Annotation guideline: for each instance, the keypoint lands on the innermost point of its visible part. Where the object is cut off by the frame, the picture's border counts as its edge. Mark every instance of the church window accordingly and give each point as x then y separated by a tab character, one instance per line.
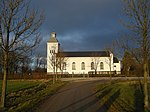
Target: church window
64	65
53	51
82	66
92	65
101	65
73	66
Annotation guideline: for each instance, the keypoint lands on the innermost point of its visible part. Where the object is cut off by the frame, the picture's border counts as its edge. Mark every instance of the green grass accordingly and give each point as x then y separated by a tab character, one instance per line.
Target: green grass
24	96
120	97
19	85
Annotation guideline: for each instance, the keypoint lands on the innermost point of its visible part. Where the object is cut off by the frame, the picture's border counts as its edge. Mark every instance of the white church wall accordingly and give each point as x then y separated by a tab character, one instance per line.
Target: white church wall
87	61
78	61
117	67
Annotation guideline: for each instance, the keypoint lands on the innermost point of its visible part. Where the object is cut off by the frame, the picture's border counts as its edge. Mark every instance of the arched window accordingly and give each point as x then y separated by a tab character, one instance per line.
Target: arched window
82	66
73	66
64	66
92	65
101	65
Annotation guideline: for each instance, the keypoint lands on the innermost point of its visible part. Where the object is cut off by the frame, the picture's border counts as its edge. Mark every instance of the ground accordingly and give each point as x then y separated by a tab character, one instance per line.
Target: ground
78	95
96	95
74	97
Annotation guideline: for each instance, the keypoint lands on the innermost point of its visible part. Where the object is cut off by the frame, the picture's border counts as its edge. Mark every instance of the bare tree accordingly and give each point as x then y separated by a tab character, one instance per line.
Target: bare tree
127	44
95	62
109	62
24	64
19	25
39	61
62	61
127	62
139	11
52	63
57	62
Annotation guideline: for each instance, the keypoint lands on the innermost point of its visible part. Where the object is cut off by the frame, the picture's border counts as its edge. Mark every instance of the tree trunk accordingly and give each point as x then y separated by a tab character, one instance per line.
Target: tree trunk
95	72
53	75
110	72
56	74
145	65
127	73
146	103
4	82
110	77
53	78
61	73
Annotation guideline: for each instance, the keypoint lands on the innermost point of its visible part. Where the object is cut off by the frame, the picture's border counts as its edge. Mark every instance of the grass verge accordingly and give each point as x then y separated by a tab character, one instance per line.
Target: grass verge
124	96
26	98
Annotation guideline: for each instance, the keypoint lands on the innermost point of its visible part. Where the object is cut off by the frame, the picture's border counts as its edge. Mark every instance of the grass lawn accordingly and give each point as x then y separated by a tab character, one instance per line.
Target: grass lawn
124	96
25	95
19	85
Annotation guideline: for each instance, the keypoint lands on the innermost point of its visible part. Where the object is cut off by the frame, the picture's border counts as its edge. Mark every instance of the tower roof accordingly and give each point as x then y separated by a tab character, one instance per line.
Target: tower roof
53	38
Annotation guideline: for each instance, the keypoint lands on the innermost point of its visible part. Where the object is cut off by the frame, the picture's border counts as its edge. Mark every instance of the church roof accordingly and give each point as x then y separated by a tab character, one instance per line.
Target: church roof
52	39
87	54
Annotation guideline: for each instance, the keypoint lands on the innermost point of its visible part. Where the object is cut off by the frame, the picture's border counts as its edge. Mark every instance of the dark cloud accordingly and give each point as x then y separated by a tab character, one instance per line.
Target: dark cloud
80	24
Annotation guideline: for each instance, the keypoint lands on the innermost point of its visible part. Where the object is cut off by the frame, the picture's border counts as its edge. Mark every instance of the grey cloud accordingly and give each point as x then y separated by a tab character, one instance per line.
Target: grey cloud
81	24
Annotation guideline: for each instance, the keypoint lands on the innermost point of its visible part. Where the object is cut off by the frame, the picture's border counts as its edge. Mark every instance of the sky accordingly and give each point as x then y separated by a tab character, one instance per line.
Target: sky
81	25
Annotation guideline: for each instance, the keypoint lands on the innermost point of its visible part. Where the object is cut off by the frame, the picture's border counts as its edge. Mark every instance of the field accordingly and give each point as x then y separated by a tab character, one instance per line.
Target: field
17	85
121	96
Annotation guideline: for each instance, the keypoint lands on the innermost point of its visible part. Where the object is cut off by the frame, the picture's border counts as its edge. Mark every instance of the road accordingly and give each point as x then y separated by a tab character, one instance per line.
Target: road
76	96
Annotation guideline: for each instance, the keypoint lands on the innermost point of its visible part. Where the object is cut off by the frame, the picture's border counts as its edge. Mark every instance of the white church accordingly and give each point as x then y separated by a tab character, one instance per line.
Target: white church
80	62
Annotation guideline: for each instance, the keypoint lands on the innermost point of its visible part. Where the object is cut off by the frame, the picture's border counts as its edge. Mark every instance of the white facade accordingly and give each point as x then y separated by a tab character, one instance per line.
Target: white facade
80	63
87	61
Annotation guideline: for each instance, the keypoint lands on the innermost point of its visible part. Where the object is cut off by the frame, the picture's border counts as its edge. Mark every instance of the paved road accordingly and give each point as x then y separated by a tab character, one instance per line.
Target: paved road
77	96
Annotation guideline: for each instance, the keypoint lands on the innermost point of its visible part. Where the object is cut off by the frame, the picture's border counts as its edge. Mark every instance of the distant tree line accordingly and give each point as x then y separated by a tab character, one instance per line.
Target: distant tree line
24	64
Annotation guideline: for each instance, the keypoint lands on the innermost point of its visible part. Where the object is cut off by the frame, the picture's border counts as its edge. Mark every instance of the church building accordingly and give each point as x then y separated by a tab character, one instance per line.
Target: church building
79	62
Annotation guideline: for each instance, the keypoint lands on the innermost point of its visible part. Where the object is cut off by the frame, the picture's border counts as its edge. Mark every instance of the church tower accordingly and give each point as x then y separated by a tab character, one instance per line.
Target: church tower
52	50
